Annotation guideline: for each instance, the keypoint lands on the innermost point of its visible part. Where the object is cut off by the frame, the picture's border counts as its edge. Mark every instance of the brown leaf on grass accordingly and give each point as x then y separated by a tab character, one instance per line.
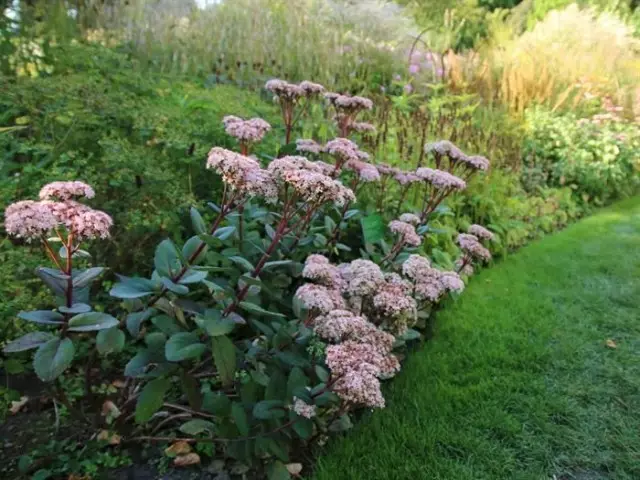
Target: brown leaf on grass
118	383
186	460
611	344
109	409
16	406
294	468
178	448
110	437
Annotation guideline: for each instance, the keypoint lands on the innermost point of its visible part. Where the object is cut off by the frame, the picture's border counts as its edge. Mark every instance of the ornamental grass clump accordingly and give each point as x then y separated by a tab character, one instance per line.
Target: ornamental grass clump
259	334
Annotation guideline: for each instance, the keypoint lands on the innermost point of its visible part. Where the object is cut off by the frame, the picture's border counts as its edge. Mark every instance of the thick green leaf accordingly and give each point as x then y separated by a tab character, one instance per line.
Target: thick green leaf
197	222
84	277
193	276
223	233
155	340
132	287
373	228
166	260
276	263
183	346
47	317
196	426
75	308
191	247
297	380
28	342
54	279
151	399
277	388
242	262
240	418
91	321
293	359
303	427
341	424
53	358
138	364
166	324
214	324
278	471
253	308
322	373
216	403
191	388
224	357
135	319
110	340
268	409
174	287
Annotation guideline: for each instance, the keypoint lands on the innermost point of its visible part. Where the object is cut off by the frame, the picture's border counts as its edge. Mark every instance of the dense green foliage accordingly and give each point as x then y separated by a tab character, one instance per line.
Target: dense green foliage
519	382
140	139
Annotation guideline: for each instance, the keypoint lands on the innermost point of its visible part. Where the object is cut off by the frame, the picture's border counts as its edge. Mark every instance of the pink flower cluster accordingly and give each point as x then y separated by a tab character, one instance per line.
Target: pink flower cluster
410	218
242	174
303	409
391	300
318	269
480	232
348	104
407	178
310	88
363	127
385	169
344	150
471	246
291	92
246	131
440	179
320	299
407	233
309	146
445	148
366	171
430	283
31	220
362	277
66	191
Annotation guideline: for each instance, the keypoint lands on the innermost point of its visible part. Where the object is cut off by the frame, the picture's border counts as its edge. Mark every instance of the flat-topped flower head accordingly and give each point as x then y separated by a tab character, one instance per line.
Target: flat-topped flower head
350	104
309	146
89	224
416	267
366	172
363	277
318	269
66	191
241	173
478	162
319	298
362	357
407	178
284	90
246	131
441	147
363	127
480	232
318	188
279	166
457	155
311	89
406	231
429	289
343	149
359	388
385	169
471	246
451	282
29	220
441	179
410	218
303	409
391	300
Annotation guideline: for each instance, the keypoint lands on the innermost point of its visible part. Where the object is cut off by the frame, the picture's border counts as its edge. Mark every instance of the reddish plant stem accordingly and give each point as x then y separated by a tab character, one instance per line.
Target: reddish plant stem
52	255
466	260
69	269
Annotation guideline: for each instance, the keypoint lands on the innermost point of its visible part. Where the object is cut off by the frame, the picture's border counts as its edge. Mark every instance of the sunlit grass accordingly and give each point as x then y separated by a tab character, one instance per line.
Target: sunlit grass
518	382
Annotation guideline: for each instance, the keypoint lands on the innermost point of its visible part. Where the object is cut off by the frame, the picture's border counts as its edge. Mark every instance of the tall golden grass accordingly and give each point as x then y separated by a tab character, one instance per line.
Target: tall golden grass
570	55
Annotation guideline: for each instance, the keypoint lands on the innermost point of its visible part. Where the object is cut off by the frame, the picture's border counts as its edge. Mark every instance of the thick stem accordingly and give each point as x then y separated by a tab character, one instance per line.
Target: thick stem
69	269
52	255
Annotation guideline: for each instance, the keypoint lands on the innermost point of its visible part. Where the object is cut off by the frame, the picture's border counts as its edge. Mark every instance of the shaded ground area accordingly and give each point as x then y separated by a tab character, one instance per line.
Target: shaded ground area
534	373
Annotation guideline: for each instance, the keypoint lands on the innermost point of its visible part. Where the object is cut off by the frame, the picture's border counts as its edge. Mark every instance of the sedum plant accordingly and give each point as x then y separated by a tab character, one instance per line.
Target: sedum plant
261	332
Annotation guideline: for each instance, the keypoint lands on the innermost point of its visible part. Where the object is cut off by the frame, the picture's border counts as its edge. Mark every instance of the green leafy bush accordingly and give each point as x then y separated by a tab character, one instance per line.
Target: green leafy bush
597	158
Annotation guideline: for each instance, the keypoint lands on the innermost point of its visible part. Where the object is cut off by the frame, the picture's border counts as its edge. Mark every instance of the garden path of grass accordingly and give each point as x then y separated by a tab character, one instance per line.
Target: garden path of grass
518	381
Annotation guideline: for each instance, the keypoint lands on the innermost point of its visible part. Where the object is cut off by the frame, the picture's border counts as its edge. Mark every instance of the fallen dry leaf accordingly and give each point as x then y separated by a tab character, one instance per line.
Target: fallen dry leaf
186	460
611	344
118	383
77	477
178	448
112	438
16	406
294	468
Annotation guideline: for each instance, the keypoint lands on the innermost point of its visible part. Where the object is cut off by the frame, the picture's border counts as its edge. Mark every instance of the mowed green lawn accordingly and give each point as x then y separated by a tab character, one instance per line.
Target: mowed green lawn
518	382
